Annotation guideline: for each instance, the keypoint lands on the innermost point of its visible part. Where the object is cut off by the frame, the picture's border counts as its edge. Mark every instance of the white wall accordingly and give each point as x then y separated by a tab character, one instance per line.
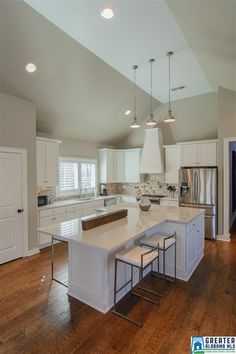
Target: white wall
18	129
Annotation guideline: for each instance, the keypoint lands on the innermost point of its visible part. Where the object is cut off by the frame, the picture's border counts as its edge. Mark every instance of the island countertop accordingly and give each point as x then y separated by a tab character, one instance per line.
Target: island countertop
117	233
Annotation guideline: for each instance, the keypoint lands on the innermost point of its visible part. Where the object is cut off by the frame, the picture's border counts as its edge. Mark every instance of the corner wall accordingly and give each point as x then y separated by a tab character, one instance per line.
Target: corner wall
18	129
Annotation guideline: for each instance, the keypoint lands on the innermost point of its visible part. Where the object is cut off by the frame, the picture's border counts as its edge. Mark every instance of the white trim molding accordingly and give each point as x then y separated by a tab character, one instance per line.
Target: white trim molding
23	153
224	237
33	251
226	226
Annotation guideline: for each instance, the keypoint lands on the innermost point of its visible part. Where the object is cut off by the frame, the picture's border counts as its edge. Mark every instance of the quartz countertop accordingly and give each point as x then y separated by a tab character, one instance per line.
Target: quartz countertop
117	233
68	202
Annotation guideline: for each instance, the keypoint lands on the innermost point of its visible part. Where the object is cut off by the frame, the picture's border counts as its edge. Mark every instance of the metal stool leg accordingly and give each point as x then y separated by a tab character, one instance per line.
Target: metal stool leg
175	262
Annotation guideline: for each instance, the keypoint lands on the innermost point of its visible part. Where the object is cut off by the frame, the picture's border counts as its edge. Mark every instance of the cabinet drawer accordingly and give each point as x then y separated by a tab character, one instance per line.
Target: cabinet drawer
74	208
53	211
193	224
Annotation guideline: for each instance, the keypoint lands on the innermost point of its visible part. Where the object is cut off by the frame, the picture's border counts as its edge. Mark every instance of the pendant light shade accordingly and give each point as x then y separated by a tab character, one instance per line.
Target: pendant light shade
169	118
135	124
151	121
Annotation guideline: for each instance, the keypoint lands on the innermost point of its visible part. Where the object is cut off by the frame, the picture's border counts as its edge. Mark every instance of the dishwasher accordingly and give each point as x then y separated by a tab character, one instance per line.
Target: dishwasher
110	201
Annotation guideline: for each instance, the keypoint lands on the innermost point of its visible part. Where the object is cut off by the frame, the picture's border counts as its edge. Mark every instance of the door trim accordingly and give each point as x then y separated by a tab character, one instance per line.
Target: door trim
226	226
23	153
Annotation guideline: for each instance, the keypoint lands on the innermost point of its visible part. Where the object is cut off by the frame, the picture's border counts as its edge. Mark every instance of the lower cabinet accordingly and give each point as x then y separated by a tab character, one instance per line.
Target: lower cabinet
49	217
189	244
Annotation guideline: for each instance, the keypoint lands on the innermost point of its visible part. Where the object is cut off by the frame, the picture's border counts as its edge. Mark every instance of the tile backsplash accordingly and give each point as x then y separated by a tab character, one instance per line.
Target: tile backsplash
152	184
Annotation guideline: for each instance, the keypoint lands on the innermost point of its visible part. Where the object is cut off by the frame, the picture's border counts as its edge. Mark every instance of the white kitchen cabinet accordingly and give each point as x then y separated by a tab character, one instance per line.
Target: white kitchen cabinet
172	163
106	165
198	153
47	162
74	212
132	164
118	166
49	217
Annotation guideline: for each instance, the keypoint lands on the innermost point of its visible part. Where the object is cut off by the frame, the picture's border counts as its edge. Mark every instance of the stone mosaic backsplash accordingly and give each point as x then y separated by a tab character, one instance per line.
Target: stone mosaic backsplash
152	184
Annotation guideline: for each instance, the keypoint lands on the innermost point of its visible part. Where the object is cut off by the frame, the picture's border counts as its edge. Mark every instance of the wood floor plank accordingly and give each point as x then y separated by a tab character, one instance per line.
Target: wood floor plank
38	317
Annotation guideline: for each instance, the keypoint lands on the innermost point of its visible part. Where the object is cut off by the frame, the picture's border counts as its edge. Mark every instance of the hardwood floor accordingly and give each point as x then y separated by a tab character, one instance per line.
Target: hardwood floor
36	316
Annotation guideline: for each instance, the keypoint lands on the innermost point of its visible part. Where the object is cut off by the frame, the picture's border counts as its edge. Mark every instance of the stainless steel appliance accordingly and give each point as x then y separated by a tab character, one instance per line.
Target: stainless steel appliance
42	200
198	189
110	201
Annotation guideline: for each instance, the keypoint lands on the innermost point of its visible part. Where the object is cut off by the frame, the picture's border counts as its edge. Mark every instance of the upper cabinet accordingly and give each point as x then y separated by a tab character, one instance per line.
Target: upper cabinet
119	166
132	165
106	165
198	153
47	162
172	163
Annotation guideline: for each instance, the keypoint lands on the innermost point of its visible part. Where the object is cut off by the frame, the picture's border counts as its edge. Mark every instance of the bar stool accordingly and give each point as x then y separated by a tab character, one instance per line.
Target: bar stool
165	241
140	258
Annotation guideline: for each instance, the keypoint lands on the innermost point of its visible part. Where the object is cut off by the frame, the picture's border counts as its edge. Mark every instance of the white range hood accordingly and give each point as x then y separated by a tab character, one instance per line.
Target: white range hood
152	155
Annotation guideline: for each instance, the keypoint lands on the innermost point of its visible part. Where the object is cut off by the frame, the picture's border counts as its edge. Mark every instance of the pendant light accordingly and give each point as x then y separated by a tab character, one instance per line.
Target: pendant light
169	118
151	121
135	124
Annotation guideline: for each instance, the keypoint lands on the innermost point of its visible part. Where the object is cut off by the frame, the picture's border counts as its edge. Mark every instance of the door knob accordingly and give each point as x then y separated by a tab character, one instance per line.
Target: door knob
20	211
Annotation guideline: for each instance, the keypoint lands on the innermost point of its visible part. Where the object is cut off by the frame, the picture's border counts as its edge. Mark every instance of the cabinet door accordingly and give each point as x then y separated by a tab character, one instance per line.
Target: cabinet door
207	154
191	248
40	163
106	166
200	238
51	164
132	163
172	164
189	155
119	166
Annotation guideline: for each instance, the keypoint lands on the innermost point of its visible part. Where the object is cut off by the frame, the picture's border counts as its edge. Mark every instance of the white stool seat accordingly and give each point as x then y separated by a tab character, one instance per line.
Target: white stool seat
159	239
133	255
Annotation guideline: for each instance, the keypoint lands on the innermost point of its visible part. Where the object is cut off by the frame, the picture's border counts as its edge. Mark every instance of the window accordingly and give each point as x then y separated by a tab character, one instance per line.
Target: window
77	176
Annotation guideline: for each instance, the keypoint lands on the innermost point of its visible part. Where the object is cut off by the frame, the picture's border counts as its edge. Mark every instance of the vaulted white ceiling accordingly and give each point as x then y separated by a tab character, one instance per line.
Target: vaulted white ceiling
139	30
82	86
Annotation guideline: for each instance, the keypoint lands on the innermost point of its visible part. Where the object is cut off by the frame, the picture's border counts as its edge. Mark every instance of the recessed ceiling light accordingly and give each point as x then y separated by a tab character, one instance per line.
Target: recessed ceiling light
31	67
127	112
107	13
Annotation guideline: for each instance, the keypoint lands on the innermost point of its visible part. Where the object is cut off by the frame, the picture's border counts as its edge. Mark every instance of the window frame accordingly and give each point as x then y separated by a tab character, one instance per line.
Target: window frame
77	160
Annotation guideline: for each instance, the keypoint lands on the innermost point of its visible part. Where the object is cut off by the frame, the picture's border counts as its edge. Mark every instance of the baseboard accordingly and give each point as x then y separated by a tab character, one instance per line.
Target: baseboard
33	251
224	237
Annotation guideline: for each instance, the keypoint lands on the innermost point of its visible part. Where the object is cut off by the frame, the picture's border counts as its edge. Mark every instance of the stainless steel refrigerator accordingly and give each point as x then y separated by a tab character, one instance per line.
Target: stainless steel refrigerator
198	189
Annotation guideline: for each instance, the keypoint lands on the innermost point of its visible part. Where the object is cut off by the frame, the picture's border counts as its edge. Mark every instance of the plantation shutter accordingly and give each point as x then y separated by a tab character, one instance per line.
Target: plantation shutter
68	176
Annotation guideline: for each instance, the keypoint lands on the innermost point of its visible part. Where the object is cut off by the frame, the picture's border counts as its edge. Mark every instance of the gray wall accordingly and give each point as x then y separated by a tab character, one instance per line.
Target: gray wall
226	128
18	129
196	119
76	148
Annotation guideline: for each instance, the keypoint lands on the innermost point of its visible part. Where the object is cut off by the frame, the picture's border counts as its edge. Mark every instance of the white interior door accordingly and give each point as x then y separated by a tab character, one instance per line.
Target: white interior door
11	206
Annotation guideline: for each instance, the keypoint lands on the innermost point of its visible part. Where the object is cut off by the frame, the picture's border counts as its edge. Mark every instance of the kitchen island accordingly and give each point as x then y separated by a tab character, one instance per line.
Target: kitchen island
92	252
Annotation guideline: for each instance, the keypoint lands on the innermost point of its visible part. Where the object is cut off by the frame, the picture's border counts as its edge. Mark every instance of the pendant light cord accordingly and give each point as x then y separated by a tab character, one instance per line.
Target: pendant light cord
135	96
151	61
169	55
